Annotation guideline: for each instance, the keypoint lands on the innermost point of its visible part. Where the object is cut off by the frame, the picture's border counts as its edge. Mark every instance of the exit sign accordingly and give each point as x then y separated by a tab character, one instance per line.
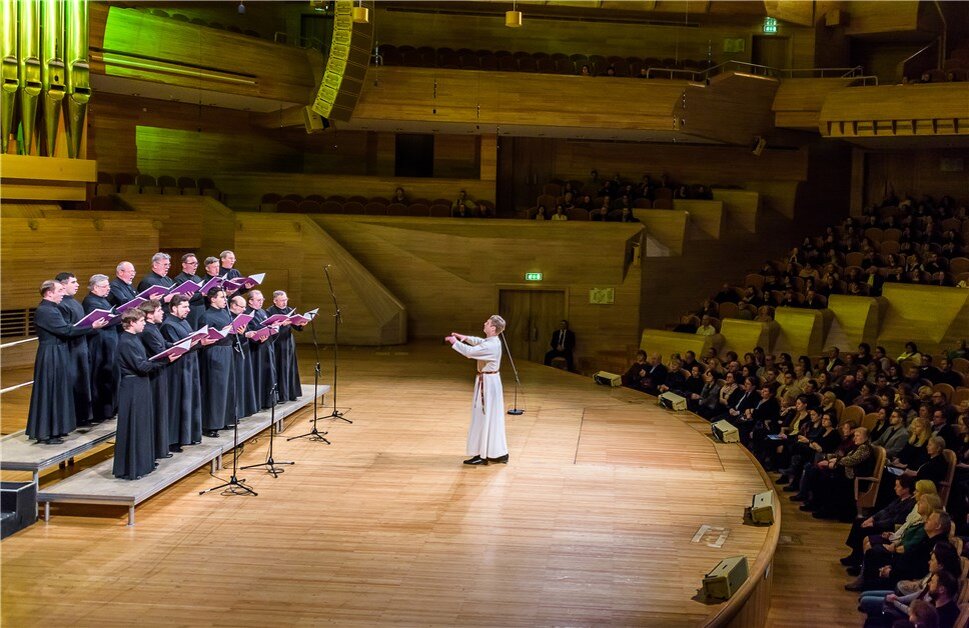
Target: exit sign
770	25
533	276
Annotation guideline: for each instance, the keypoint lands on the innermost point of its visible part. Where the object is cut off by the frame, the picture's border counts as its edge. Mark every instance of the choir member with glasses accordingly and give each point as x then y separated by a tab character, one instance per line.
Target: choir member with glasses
284	348
160	263
196	303
262	353
103	354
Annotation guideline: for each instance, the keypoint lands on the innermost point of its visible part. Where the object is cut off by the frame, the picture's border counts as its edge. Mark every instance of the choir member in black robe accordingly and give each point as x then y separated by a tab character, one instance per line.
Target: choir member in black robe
218	372
151	337
103	353
185	390
78	349
122	289
284	350
196	302
158	276
134	455
227	262
245	390
51	414
261	351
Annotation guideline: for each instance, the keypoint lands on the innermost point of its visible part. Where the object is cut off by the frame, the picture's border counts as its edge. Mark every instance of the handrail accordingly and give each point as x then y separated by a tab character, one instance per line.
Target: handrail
700	76
17	342
9	388
920	51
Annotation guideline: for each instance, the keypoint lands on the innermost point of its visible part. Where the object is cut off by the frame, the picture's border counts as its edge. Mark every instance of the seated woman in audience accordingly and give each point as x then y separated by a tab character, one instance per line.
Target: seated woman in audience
883	606
820	438
704	402
584	202
400	197
558	215
714	366
636	373
914	454
706	327
935	468
813	479
881	424
911	352
728	392
600	214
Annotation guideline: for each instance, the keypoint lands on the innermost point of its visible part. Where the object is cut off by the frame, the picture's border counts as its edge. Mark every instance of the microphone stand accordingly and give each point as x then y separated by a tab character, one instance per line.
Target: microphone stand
515	410
234	486
337	320
270	464
314	434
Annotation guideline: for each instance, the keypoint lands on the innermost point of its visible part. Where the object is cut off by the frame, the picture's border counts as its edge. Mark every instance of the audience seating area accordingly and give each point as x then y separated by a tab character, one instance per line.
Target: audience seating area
129	183
608	197
908	241
373	206
179	17
540	62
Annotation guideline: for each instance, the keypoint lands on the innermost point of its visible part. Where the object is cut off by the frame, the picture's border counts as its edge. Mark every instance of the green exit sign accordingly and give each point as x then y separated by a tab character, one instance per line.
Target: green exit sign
533	276
770	25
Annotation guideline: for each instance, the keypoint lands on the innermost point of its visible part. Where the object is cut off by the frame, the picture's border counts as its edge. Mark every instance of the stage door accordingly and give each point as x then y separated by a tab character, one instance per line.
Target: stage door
532	316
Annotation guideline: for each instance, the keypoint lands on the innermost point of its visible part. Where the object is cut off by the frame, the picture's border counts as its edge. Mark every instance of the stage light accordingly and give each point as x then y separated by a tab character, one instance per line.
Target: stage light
361	14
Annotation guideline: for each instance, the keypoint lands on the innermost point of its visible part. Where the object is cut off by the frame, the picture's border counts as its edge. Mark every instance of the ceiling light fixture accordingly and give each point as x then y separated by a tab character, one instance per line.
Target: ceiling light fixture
513	18
361	14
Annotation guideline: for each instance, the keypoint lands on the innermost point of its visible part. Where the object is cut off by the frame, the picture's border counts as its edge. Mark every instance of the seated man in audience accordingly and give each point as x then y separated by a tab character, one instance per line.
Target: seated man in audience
562	345
885	520
739	403
706	327
655	376
634	375
885	566
947	375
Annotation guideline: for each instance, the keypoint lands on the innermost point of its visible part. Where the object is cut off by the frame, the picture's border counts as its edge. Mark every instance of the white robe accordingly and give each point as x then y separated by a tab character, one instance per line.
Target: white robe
486	437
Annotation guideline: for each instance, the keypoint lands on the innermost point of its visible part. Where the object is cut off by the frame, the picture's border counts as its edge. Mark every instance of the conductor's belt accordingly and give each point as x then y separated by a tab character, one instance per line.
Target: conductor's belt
488	372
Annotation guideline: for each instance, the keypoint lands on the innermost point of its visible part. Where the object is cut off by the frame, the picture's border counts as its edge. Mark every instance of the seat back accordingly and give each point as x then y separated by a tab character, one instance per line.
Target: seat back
852	413
950	464
865	500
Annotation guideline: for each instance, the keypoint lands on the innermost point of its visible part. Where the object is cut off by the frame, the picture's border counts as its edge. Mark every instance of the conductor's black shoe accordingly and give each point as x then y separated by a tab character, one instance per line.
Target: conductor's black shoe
175	449
54	441
212	433
499	459
476	460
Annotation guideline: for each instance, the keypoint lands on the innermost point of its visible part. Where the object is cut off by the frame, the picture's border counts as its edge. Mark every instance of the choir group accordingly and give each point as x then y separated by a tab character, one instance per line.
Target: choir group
173	359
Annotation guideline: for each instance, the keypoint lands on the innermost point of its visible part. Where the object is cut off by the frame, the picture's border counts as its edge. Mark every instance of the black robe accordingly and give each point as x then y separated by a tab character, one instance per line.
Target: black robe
80	361
184	387
154	344
229	273
287	370
246	404
154	279
196	302
134	451
218	375
121	293
103	354
51	411
263	363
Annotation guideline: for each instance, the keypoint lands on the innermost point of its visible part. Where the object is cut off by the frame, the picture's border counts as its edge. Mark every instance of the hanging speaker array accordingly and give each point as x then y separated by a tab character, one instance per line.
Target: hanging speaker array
45	74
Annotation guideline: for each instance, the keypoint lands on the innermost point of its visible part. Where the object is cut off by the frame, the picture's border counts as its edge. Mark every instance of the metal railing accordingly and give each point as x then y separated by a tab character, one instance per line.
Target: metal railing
7	345
700	76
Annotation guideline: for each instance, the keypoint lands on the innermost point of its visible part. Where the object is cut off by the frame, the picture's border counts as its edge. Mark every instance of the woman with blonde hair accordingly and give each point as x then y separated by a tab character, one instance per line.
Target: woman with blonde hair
914	454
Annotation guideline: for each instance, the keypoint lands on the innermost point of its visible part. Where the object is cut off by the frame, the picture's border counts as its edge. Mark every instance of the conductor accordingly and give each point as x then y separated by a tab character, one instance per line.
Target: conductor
486	436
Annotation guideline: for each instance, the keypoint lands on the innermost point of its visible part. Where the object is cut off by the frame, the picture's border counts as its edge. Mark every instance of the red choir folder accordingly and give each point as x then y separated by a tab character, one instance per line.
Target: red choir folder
152	292
177	350
302	319
242	320
135	302
263	333
275	319
198	336
95	316
212	283
245	283
187	288
217	334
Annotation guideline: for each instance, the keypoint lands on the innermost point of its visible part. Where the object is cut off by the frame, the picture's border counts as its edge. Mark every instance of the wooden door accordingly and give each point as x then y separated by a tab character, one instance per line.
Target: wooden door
771	51
531	317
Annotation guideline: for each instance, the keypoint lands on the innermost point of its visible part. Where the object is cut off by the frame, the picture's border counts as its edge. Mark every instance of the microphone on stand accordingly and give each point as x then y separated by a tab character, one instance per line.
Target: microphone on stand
515	410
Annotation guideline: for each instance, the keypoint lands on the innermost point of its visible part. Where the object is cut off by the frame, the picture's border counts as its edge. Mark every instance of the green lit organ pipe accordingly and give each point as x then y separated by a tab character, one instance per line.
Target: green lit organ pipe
52	69
29	68
78	72
9	69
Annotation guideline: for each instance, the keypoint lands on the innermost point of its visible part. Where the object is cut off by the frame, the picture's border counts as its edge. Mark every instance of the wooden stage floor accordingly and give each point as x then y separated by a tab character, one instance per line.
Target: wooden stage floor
590	523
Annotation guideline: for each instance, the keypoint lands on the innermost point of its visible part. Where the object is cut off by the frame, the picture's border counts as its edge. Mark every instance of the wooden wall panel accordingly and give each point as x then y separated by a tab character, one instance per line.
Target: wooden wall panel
742	336
929	314
856	320
869	18
457	156
802	331
666	343
915	172
243	190
33	249
543	35
447	273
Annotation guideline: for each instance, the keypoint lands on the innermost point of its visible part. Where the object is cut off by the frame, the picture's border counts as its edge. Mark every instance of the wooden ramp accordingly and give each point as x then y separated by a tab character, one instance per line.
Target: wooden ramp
97	484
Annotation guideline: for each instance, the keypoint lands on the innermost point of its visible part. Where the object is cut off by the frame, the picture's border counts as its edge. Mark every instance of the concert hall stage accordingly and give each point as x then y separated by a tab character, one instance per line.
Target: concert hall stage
591	522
